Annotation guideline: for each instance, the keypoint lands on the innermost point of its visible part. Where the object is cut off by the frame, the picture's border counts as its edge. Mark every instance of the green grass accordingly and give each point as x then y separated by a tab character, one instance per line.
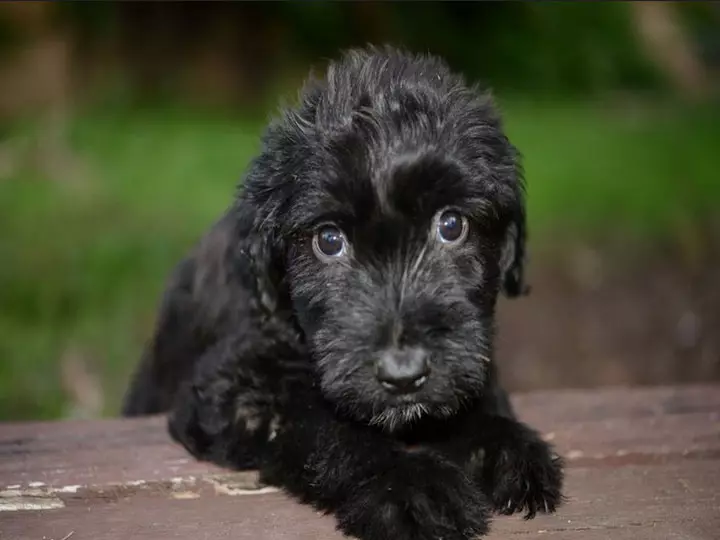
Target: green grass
613	171
83	257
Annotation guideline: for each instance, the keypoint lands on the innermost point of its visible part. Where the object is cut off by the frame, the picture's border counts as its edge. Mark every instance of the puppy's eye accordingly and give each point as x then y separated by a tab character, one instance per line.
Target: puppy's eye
329	242
452	227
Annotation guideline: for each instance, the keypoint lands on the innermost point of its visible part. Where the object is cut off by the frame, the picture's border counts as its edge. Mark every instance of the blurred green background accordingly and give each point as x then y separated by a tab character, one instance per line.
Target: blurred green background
125	127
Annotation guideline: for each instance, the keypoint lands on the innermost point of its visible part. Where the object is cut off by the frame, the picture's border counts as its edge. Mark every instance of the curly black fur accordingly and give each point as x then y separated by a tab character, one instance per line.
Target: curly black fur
267	353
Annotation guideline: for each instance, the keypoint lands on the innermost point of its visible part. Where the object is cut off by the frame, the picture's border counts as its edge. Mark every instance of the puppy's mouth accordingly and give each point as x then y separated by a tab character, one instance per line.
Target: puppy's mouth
399	415
405	412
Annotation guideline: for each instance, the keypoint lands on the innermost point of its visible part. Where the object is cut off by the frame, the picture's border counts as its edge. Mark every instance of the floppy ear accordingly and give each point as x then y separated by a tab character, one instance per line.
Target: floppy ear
239	268
513	257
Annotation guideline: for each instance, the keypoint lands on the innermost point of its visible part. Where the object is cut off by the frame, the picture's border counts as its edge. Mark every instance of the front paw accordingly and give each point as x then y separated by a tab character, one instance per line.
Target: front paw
422	499
524	475
230	431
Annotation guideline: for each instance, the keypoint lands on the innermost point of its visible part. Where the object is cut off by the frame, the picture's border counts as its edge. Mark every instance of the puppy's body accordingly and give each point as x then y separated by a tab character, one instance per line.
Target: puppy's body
335	327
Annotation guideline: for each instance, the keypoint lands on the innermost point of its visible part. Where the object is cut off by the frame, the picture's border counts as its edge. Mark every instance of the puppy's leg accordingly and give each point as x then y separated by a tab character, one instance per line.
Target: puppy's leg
225	413
516	468
373	486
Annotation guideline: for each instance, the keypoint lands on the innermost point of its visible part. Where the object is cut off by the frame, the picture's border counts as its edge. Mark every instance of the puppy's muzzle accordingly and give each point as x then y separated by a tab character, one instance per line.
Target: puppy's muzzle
402	371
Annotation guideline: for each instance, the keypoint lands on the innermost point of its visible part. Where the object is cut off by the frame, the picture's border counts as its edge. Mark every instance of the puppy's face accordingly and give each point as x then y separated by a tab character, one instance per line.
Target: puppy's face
394	277
396	204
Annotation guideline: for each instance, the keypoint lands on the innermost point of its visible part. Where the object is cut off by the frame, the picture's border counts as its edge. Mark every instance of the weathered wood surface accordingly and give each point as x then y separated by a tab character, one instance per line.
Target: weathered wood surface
643	463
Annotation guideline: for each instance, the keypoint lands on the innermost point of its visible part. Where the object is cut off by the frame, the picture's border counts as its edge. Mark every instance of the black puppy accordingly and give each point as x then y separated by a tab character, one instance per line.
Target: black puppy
335	328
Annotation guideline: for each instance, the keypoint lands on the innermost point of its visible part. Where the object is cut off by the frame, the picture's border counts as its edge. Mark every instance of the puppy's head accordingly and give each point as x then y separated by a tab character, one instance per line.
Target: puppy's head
398	204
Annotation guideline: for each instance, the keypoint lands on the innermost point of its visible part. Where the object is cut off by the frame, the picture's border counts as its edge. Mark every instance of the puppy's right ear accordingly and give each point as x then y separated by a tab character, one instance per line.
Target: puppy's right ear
238	265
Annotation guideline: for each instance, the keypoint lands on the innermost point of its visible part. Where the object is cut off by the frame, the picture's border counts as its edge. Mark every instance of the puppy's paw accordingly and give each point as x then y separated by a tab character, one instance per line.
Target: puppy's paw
214	426
422	499
524	475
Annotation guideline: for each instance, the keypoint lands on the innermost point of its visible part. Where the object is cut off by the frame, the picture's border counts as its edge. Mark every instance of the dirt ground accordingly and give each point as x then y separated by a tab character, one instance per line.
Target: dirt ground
590	321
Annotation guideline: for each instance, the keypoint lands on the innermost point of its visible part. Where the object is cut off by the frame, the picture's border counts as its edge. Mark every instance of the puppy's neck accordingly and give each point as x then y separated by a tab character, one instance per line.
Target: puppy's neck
430	431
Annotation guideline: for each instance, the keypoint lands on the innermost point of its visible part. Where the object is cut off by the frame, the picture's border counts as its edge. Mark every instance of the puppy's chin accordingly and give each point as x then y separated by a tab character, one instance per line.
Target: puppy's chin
402	415
391	413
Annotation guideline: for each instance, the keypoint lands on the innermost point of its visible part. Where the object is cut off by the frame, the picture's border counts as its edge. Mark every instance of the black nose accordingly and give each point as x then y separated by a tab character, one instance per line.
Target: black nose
403	371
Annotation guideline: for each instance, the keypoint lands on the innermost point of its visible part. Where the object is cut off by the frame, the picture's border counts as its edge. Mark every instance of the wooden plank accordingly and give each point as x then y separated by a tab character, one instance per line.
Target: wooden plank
678	501
644	463
97	452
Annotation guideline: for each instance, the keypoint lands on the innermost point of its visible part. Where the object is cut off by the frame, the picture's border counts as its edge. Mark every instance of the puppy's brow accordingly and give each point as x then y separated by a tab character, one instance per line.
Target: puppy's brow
315	208
421	185
481	209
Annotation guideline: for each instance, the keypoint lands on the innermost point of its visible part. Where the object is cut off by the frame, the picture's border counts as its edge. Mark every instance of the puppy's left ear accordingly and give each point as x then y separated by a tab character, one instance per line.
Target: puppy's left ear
513	257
